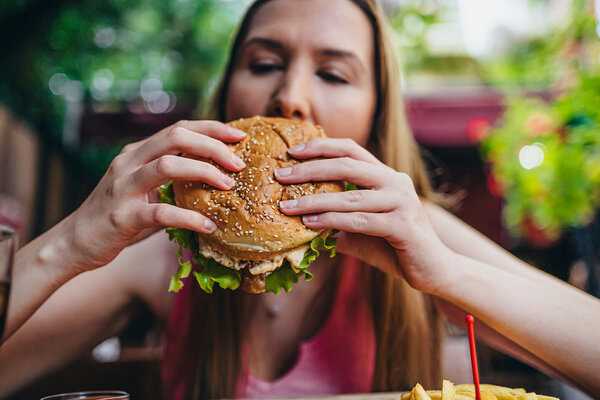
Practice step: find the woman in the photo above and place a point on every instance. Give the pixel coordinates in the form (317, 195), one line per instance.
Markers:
(329, 62)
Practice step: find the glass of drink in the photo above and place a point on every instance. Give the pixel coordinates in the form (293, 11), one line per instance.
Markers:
(95, 395)
(8, 244)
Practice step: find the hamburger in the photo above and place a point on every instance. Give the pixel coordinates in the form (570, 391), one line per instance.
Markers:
(255, 246)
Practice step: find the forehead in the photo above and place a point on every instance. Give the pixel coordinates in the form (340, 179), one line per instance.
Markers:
(336, 24)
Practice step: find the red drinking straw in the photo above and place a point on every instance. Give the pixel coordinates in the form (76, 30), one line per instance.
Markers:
(471, 330)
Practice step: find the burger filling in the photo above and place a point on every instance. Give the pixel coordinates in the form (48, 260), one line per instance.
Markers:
(210, 267)
(294, 257)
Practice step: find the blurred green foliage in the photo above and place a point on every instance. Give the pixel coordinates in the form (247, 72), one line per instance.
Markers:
(116, 44)
(104, 51)
(545, 159)
(545, 156)
(540, 62)
(113, 54)
(412, 21)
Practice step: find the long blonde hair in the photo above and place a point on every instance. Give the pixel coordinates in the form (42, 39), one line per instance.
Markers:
(407, 327)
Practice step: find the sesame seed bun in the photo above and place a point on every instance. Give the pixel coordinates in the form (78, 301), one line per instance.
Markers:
(250, 226)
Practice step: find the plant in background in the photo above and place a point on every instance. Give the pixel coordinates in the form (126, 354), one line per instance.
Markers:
(412, 21)
(145, 50)
(545, 158)
(550, 59)
(152, 54)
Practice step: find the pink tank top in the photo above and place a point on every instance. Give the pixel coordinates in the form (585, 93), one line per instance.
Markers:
(339, 359)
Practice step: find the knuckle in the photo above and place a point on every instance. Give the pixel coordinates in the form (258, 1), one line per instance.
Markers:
(118, 163)
(128, 147)
(113, 189)
(355, 196)
(404, 178)
(205, 167)
(181, 124)
(359, 221)
(348, 142)
(347, 163)
(159, 215)
(214, 125)
(397, 199)
(209, 172)
(307, 202)
(165, 165)
(177, 136)
(299, 169)
(219, 148)
(116, 219)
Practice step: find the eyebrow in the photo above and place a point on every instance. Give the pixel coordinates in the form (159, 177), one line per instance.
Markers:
(276, 45)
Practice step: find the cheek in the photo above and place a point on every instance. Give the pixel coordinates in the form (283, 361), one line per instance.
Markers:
(247, 97)
(347, 115)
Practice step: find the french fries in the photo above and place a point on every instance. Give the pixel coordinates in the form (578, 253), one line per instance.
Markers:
(451, 391)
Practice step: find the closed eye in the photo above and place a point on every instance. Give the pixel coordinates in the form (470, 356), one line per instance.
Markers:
(331, 77)
(264, 68)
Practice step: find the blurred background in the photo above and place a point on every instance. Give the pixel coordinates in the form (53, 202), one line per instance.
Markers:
(502, 95)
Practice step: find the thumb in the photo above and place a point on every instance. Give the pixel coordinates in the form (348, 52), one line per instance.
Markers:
(371, 250)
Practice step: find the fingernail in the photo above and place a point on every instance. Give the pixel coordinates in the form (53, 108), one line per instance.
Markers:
(237, 132)
(209, 226)
(229, 181)
(238, 162)
(289, 204)
(281, 172)
(310, 218)
(297, 148)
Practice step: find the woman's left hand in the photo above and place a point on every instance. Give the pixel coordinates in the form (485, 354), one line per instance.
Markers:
(383, 223)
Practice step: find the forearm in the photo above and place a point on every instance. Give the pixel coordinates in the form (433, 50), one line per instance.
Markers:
(495, 340)
(40, 268)
(557, 323)
(81, 313)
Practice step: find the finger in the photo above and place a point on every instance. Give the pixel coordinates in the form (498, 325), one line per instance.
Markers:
(215, 129)
(166, 215)
(347, 169)
(354, 200)
(331, 148)
(171, 167)
(183, 140)
(372, 224)
(134, 145)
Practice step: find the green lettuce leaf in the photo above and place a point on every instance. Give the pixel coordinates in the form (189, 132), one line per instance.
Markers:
(321, 242)
(185, 239)
(185, 268)
(212, 272)
(349, 186)
(286, 276)
(282, 278)
(166, 193)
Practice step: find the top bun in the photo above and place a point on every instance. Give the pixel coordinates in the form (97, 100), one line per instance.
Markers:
(249, 223)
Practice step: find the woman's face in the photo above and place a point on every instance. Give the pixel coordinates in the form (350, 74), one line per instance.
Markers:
(310, 60)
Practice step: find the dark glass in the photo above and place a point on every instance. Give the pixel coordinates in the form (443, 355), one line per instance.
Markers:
(95, 395)
(8, 244)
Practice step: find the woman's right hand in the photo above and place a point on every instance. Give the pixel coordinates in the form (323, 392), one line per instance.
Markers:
(120, 211)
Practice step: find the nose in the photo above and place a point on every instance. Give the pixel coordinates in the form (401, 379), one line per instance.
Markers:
(291, 98)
